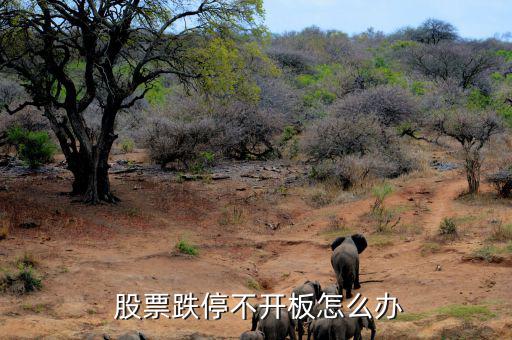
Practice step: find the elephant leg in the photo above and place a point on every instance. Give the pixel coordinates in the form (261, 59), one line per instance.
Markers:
(300, 328)
(348, 288)
(291, 331)
(357, 335)
(357, 285)
(339, 280)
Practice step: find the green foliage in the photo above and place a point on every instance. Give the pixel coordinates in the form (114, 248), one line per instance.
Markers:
(466, 311)
(34, 147)
(448, 227)
(319, 96)
(321, 73)
(184, 247)
(23, 281)
(205, 160)
(418, 88)
(127, 145)
(478, 100)
(157, 95)
(288, 133)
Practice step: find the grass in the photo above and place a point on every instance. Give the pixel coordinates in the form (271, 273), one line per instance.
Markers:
(380, 240)
(319, 198)
(336, 228)
(184, 247)
(488, 253)
(27, 260)
(501, 232)
(464, 312)
(253, 284)
(232, 216)
(430, 248)
(37, 308)
(23, 281)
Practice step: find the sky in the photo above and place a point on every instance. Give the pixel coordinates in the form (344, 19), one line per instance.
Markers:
(476, 19)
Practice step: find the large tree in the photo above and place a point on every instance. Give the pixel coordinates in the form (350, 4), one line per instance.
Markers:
(71, 55)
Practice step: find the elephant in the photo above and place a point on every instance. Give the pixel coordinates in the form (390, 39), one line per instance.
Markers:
(309, 287)
(133, 336)
(341, 328)
(345, 262)
(272, 327)
(252, 335)
(331, 290)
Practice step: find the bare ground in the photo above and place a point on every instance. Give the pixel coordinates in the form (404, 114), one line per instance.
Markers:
(254, 226)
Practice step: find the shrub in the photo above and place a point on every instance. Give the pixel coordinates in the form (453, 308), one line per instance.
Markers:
(246, 132)
(448, 227)
(34, 147)
(184, 247)
(392, 105)
(501, 232)
(169, 141)
(127, 145)
(23, 281)
(502, 182)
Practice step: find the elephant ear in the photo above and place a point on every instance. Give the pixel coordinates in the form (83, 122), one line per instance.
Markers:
(337, 242)
(360, 242)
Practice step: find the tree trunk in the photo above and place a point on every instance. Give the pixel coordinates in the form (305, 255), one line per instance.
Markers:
(98, 183)
(473, 172)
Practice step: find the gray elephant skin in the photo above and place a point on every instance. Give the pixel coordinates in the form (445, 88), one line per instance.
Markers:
(314, 290)
(345, 262)
(272, 327)
(252, 335)
(341, 328)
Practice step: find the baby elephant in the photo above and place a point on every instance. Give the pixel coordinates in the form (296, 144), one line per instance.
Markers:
(345, 261)
(272, 327)
(252, 335)
(313, 290)
(341, 328)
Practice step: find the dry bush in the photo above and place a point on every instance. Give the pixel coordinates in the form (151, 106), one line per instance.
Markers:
(247, 133)
(170, 141)
(351, 152)
(392, 105)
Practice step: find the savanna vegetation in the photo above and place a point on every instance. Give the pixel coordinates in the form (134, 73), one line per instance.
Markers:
(201, 92)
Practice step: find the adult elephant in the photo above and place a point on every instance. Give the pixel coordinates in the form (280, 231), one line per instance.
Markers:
(272, 327)
(311, 292)
(345, 262)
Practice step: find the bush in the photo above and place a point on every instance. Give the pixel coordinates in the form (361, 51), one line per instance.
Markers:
(22, 282)
(170, 141)
(350, 151)
(502, 182)
(448, 227)
(184, 247)
(127, 145)
(34, 147)
(247, 133)
(392, 105)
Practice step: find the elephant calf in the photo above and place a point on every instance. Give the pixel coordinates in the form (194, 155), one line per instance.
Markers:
(345, 261)
(341, 328)
(313, 290)
(252, 335)
(272, 327)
